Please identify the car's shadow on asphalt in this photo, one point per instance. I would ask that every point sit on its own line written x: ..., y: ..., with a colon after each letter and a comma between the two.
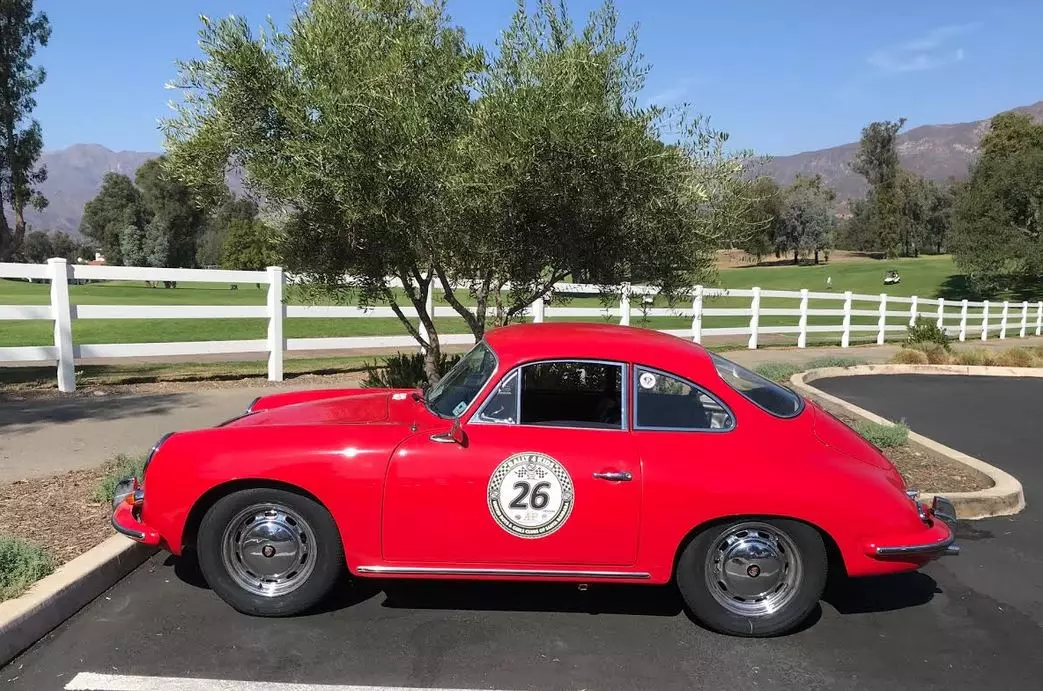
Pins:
x: 846, y: 596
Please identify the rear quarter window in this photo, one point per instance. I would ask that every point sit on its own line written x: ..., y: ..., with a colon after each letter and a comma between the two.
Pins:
x: 762, y: 392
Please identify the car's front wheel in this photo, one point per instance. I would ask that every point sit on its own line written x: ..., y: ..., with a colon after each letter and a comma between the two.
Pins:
x: 755, y: 577
x: 269, y: 552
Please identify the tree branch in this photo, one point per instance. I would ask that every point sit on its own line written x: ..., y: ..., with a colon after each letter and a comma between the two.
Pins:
x: 476, y: 326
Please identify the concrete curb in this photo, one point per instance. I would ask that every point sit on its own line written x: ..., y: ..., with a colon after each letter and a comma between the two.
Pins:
x: 1004, y: 498
x: 51, y: 600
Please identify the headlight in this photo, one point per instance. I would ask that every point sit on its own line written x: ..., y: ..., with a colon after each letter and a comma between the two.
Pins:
x: 152, y: 453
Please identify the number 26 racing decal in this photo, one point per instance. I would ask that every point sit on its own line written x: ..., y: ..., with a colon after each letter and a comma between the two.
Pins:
x: 530, y: 495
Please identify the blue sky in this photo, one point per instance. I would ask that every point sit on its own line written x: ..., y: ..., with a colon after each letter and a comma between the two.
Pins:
x: 780, y: 77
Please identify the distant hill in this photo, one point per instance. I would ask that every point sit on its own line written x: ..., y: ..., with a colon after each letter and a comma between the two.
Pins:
x: 936, y: 152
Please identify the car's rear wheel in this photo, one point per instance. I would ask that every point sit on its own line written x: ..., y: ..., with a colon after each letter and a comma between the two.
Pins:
x: 753, y: 577
x: 269, y: 552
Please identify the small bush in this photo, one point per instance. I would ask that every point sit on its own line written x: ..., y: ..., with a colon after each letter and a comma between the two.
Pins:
x: 21, y: 564
x: 926, y: 331
x: 404, y: 371
x: 909, y: 356
x: 833, y: 361
x: 936, y: 354
x: 883, y: 436
x: 779, y: 371
x: 1015, y: 357
x: 973, y: 357
x: 121, y: 467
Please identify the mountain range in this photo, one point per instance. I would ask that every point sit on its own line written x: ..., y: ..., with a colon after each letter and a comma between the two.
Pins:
x: 934, y: 151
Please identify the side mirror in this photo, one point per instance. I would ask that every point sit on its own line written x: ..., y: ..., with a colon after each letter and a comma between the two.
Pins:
x: 455, y: 435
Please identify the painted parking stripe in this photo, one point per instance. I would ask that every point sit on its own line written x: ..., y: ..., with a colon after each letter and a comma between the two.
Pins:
x: 88, y: 681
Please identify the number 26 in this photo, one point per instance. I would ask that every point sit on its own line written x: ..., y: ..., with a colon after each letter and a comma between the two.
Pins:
x: 537, y: 500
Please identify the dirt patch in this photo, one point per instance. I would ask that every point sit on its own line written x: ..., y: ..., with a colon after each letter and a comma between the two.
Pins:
x: 930, y: 472
x: 58, y: 513
x: 733, y: 259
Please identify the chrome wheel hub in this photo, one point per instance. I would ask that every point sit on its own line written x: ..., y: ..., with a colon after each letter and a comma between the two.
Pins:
x: 268, y: 549
x: 753, y: 569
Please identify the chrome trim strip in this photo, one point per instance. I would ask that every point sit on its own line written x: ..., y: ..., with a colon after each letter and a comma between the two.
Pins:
x: 944, y: 546
x: 132, y: 534
x: 538, y: 573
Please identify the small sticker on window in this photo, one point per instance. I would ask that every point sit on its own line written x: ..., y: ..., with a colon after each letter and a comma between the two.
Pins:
x: 646, y: 380
x: 460, y: 408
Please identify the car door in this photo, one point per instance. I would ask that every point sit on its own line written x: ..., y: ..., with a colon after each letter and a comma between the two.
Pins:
x: 547, y: 475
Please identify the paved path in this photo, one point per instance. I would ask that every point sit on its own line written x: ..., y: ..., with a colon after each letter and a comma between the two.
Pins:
x: 969, y: 622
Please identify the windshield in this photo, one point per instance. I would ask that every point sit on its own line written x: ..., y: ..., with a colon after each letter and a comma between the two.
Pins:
x: 777, y: 400
x: 454, y: 392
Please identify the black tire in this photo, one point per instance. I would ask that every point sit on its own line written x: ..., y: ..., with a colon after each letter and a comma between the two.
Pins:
x: 698, y: 557
x: 323, y: 549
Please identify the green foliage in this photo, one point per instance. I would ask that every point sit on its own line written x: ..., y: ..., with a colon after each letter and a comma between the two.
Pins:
x: 176, y: 216
x: 883, y: 436
x: 117, y: 205
x: 909, y: 356
x: 21, y: 564
x: 998, y: 223
x: 120, y: 467
x: 926, y: 330
x: 248, y: 245
x: 21, y: 140
x: 765, y: 212
x: 132, y: 245
x: 404, y: 371
x: 805, y: 224
x: 212, y: 239
x: 782, y: 371
x: 155, y: 246
x: 37, y: 248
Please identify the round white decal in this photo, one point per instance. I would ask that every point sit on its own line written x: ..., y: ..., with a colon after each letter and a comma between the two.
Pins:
x: 646, y: 380
x: 530, y: 495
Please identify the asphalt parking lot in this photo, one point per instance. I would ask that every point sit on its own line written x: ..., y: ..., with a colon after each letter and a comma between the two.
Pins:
x: 969, y: 622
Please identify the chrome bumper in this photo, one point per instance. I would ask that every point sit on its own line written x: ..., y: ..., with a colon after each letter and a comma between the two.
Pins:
x: 941, y: 510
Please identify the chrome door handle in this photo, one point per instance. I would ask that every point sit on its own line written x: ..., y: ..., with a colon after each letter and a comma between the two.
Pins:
x: 614, y: 476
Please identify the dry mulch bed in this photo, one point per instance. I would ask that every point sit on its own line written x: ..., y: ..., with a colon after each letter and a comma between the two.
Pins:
x: 58, y: 513
x: 930, y: 472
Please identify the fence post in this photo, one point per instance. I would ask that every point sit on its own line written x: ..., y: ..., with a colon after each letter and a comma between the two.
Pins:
x: 1024, y: 319
x: 1039, y: 318
x: 1003, y: 321
x: 624, y: 305
x: 941, y: 313
x: 913, y: 312
x: 963, y: 321
x: 845, y: 338
x: 697, y: 315
x: 802, y: 337
x: 755, y: 317
x: 538, y: 310
x: 882, y: 321
x: 62, y: 315
x: 985, y: 320
x: 276, y: 313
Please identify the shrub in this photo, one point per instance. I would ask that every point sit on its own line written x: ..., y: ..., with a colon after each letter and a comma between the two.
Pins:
x: 883, y: 436
x: 926, y: 331
x: 21, y: 564
x: 404, y: 371
x: 936, y: 354
x: 909, y: 356
x: 1015, y: 357
x: 122, y: 466
x: 779, y: 371
x: 833, y: 361
x: 970, y: 356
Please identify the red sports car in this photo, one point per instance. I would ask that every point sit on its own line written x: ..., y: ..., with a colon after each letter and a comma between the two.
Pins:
x: 565, y: 452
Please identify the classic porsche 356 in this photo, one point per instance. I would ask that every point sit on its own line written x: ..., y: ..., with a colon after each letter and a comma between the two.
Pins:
x: 551, y: 452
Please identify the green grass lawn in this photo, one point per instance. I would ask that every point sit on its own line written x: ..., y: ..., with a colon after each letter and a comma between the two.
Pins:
x: 928, y: 277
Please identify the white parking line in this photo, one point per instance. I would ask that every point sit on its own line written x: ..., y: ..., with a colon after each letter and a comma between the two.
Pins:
x: 88, y: 681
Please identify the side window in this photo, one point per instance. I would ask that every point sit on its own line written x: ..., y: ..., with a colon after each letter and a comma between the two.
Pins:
x: 572, y: 394
x: 663, y: 401
x: 502, y: 404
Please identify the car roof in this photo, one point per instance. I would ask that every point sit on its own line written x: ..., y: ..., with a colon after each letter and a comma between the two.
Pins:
x: 576, y: 340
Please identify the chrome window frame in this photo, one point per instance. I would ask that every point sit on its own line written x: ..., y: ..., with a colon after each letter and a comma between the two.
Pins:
x: 801, y: 403
x: 701, y: 389
x: 624, y: 389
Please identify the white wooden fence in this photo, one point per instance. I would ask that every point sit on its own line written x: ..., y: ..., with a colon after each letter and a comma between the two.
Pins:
x: 1022, y: 318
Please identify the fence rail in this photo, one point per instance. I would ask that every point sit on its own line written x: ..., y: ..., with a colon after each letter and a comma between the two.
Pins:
x: 955, y: 317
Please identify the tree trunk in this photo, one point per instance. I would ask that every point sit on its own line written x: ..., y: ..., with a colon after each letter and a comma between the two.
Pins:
x: 432, y: 358
x: 816, y: 255
x: 796, y: 259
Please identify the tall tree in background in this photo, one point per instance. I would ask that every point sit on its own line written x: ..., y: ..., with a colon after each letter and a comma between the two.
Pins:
x: 37, y: 248
x: 117, y: 205
x: 132, y: 245
x: 21, y: 32
x: 997, y: 235
x: 766, y: 210
x: 175, y: 214
x: 877, y: 161
x: 211, y: 240
x: 248, y: 246
x: 805, y: 225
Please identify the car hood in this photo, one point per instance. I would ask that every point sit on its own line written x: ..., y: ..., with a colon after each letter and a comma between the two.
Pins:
x: 381, y: 407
